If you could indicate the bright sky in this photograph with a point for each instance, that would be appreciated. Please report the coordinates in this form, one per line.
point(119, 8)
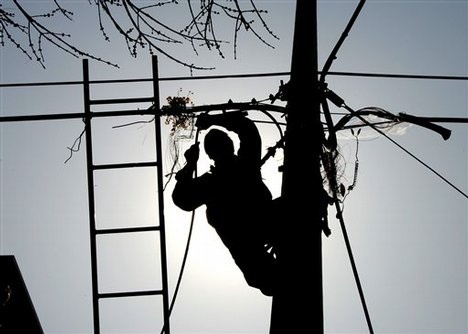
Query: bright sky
point(408, 228)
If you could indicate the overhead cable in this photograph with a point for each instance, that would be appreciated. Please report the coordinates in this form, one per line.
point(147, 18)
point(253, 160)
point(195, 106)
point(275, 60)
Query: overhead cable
point(239, 76)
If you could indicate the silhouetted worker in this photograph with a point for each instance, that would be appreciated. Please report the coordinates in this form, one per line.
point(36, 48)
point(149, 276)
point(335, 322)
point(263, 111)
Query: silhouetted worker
point(237, 201)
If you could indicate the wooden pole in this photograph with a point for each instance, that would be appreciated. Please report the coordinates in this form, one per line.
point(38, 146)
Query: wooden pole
point(298, 301)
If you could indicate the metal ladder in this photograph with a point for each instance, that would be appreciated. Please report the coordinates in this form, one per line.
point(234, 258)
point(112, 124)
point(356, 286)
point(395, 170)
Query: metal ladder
point(95, 232)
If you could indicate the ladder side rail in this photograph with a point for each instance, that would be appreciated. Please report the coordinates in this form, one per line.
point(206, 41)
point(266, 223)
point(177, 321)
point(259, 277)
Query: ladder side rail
point(157, 122)
point(91, 199)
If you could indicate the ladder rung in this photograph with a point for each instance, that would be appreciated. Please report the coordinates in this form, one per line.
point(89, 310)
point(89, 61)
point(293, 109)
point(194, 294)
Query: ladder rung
point(128, 230)
point(130, 294)
point(127, 165)
point(124, 100)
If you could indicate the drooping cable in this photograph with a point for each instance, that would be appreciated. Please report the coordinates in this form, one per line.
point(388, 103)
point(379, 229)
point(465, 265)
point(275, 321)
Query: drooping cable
point(332, 175)
point(184, 259)
point(339, 215)
point(182, 267)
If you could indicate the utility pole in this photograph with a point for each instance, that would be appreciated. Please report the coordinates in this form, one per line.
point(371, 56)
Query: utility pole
point(298, 299)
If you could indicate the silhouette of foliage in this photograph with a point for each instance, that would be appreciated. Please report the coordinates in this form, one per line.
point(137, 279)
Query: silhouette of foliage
point(176, 113)
point(138, 23)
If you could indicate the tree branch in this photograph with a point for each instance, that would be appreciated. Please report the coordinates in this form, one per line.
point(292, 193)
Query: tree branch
point(138, 25)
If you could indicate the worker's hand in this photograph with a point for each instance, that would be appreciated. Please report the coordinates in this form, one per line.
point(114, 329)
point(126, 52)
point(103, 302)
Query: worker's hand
point(192, 154)
point(204, 121)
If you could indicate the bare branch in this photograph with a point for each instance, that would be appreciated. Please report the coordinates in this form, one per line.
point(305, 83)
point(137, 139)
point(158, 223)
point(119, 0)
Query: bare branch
point(139, 25)
point(62, 10)
point(76, 145)
point(36, 33)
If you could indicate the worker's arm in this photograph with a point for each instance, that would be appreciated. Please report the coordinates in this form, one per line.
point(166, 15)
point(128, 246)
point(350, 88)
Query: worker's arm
point(189, 192)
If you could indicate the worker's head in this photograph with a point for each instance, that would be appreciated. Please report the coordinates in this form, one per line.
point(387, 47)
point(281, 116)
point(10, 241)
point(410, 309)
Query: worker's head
point(218, 145)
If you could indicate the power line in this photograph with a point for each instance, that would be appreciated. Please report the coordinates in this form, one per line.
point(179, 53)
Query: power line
point(132, 80)
point(401, 76)
point(239, 76)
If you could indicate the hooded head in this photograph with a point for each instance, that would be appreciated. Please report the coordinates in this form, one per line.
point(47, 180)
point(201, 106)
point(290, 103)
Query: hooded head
point(218, 146)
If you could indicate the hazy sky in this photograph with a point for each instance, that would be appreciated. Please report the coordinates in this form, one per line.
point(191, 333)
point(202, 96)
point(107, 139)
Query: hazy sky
point(407, 227)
